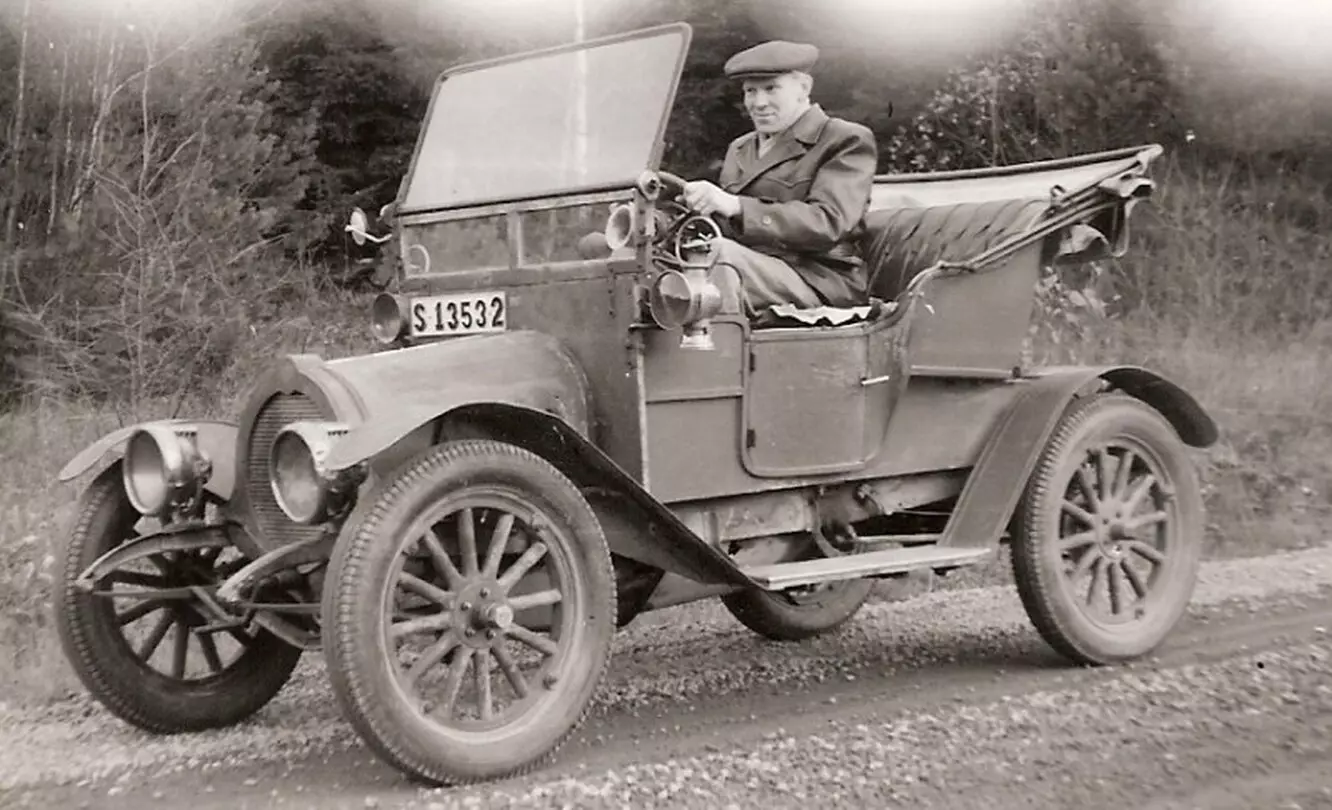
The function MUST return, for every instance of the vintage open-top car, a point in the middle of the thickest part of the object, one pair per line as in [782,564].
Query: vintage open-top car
[561,432]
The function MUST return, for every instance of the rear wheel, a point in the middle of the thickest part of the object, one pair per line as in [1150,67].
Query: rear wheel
[138,642]
[469,613]
[1107,537]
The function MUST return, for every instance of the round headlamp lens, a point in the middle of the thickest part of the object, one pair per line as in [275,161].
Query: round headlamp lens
[146,474]
[296,482]
[388,322]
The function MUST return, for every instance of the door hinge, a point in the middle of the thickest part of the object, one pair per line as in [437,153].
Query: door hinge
[750,438]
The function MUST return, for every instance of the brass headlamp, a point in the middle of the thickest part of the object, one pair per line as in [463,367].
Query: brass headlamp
[307,491]
[163,468]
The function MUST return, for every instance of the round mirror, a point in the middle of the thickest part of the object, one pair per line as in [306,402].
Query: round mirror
[358,226]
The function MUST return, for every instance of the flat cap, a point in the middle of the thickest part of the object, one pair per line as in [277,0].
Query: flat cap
[772,58]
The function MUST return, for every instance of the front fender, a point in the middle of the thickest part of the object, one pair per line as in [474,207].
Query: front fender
[217,441]
[401,390]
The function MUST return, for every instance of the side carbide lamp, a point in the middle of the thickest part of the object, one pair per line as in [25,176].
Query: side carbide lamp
[689,300]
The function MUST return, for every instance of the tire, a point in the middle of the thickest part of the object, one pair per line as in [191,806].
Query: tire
[784,616]
[387,546]
[1143,547]
[128,685]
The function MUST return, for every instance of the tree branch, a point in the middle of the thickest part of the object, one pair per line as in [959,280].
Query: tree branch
[17,138]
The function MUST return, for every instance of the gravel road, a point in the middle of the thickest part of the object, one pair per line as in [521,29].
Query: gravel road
[945,700]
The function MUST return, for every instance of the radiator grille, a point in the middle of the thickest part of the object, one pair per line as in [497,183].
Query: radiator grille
[275,527]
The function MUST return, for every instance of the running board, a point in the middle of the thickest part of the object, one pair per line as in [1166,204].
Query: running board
[780,576]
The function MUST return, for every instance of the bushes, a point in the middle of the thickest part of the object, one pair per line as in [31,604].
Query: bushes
[1238,234]
[166,198]
[1083,78]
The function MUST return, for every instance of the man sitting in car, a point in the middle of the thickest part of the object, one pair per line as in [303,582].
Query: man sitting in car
[793,193]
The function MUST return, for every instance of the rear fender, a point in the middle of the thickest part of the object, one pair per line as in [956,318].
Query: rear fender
[1185,413]
[996,481]
[217,441]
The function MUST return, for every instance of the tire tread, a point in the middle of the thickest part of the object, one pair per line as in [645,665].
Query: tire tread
[1034,588]
[355,696]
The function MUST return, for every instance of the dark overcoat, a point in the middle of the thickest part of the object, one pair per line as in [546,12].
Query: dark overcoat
[804,201]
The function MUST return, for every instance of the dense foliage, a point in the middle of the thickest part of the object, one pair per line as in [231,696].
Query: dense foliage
[169,182]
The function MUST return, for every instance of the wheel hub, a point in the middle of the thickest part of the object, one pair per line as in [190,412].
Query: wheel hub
[1112,539]
[1113,510]
[495,616]
[1112,530]
[482,613]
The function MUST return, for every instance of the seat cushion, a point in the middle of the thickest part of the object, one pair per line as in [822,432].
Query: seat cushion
[789,315]
[901,242]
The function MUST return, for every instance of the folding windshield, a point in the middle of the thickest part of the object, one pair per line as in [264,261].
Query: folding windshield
[556,121]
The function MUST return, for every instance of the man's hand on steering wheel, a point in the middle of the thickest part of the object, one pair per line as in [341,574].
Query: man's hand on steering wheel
[708,199]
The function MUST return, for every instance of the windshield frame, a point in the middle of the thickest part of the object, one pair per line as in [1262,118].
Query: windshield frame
[654,155]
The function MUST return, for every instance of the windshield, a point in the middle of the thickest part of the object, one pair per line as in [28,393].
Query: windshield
[548,123]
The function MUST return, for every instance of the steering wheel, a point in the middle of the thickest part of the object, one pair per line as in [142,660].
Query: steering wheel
[672,184]
[694,233]
[694,238]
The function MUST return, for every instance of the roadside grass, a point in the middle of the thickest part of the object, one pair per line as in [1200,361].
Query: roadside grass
[1268,479]
[36,510]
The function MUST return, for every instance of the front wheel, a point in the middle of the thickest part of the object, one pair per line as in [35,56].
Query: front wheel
[140,643]
[468,614]
[1108,535]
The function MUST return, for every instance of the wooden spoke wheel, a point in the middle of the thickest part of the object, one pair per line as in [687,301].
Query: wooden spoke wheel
[1107,538]
[469,614]
[139,641]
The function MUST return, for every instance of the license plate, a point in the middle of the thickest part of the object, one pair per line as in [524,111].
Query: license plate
[459,314]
